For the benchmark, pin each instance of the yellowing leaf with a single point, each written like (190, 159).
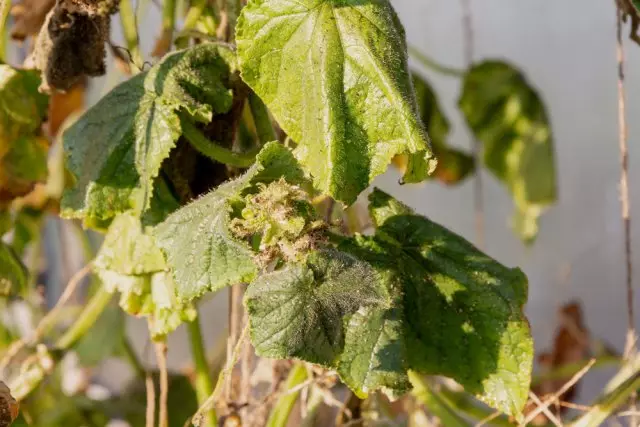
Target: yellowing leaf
(334, 73)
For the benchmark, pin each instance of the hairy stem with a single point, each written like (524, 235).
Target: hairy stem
(261, 118)
(280, 414)
(203, 381)
(214, 151)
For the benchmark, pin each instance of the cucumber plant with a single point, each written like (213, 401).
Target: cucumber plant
(208, 169)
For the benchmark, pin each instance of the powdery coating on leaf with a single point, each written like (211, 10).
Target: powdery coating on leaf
(298, 312)
(131, 263)
(200, 248)
(374, 355)
(334, 73)
(115, 150)
(508, 116)
(475, 331)
(13, 275)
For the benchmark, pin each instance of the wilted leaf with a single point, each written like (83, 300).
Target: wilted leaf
(453, 165)
(508, 117)
(23, 151)
(131, 263)
(571, 346)
(201, 250)
(8, 406)
(115, 150)
(334, 73)
(28, 17)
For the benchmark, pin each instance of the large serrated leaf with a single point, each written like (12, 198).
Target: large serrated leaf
(13, 275)
(475, 331)
(200, 248)
(334, 73)
(116, 148)
(130, 262)
(298, 312)
(508, 117)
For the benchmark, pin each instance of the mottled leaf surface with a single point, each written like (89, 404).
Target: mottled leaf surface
(130, 262)
(200, 248)
(462, 310)
(453, 165)
(334, 73)
(13, 275)
(116, 148)
(298, 312)
(507, 115)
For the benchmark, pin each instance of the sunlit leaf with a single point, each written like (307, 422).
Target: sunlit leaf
(200, 248)
(508, 117)
(475, 331)
(334, 73)
(131, 263)
(116, 148)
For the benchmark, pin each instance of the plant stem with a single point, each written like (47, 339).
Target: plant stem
(436, 404)
(610, 402)
(168, 20)
(92, 310)
(203, 381)
(196, 419)
(130, 31)
(5, 6)
(261, 119)
(161, 356)
(190, 21)
(214, 151)
(435, 66)
(571, 369)
(280, 413)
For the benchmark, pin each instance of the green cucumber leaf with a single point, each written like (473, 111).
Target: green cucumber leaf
(414, 296)
(334, 73)
(201, 250)
(298, 312)
(116, 148)
(475, 331)
(507, 115)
